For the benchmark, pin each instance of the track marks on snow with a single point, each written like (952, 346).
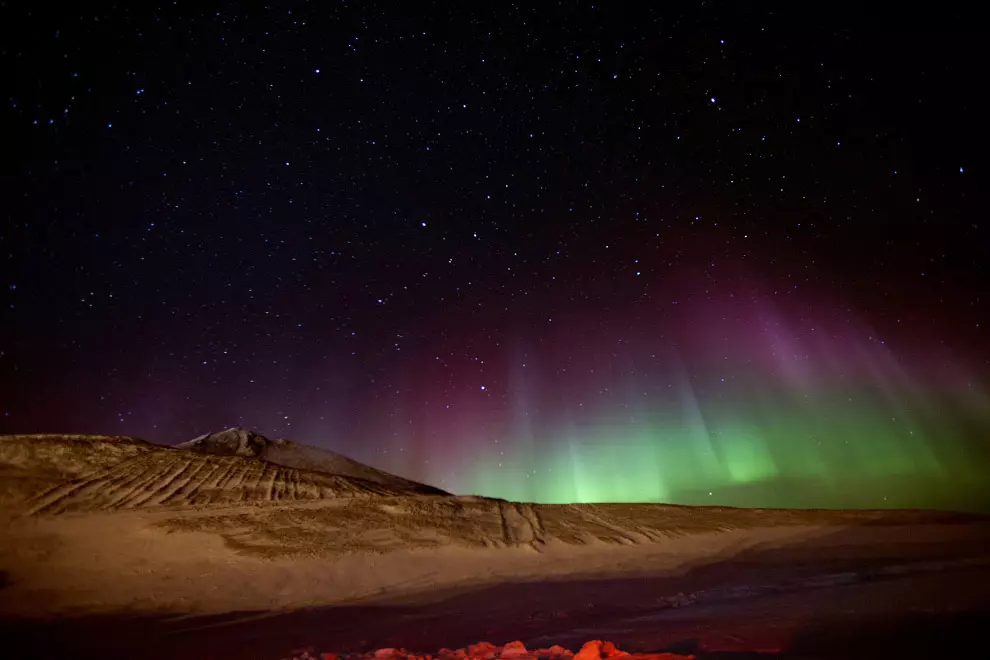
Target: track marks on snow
(520, 524)
(177, 478)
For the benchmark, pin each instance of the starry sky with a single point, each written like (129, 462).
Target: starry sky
(561, 253)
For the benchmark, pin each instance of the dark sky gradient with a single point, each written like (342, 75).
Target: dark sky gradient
(736, 258)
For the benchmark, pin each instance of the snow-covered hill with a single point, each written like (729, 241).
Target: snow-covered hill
(241, 442)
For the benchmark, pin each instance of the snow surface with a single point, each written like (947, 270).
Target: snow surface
(242, 442)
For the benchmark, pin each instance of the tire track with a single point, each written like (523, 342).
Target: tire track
(237, 483)
(250, 476)
(655, 536)
(528, 513)
(50, 499)
(161, 484)
(135, 475)
(506, 539)
(125, 474)
(538, 520)
(55, 496)
(590, 513)
(92, 489)
(228, 476)
(134, 492)
(223, 475)
(182, 484)
(270, 497)
(190, 495)
(237, 479)
(181, 478)
(261, 476)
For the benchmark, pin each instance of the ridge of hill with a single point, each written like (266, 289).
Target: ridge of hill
(241, 442)
(58, 473)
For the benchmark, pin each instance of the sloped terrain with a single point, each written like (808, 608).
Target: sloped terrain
(180, 478)
(52, 474)
(32, 464)
(355, 574)
(384, 524)
(215, 552)
(241, 442)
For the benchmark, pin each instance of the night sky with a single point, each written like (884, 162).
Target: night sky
(576, 253)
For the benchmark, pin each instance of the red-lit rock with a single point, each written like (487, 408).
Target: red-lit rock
(590, 651)
(514, 649)
(609, 650)
(480, 648)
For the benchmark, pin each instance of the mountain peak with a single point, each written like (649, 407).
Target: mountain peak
(235, 440)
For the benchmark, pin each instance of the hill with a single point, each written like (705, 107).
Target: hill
(241, 442)
(115, 547)
(51, 473)
(33, 463)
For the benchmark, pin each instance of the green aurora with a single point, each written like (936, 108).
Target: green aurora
(888, 443)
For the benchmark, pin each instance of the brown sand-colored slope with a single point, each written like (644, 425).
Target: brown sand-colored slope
(176, 478)
(384, 524)
(418, 548)
(241, 442)
(246, 548)
(32, 464)
(52, 474)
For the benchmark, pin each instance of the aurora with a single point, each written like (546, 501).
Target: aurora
(769, 407)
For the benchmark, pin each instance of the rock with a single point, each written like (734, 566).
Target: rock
(480, 647)
(590, 651)
(514, 649)
(610, 650)
(482, 650)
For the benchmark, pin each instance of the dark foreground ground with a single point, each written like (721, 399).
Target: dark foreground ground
(148, 540)
(761, 604)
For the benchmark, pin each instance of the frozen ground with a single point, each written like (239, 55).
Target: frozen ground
(361, 567)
